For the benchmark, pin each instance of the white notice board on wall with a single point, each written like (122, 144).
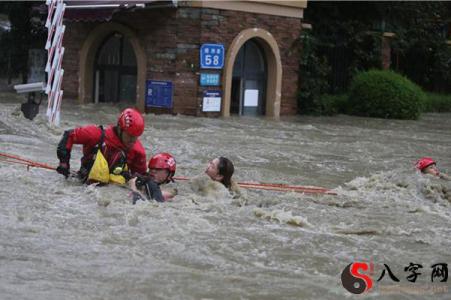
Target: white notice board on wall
(251, 98)
(211, 101)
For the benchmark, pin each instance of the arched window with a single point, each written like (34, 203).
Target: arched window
(115, 71)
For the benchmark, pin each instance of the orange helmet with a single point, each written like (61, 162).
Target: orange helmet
(131, 121)
(163, 161)
(424, 162)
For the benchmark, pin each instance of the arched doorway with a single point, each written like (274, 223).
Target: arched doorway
(248, 96)
(271, 91)
(89, 50)
(115, 70)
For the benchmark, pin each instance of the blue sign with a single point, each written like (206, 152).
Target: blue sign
(159, 93)
(212, 56)
(212, 94)
(207, 79)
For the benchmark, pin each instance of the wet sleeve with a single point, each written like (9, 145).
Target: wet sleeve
(137, 162)
(63, 150)
(153, 191)
(88, 136)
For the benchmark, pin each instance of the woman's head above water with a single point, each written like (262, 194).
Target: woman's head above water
(220, 169)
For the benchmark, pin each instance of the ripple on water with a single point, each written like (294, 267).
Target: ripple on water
(205, 244)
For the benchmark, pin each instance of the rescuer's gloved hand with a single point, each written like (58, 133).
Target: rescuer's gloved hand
(64, 169)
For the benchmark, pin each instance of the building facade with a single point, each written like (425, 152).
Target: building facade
(150, 54)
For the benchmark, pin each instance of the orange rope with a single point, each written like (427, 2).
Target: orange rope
(284, 186)
(24, 161)
(247, 185)
(297, 190)
(279, 187)
(20, 163)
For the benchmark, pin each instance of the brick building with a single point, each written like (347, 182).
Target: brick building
(116, 53)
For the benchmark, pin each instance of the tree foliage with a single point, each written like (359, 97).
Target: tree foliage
(27, 32)
(348, 37)
(420, 46)
(314, 70)
(344, 35)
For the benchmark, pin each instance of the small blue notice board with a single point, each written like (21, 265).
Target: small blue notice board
(209, 79)
(159, 93)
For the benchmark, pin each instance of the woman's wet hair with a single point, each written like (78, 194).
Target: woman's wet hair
(226, 169)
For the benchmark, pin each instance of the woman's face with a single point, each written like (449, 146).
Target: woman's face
(213, 171)
(432, 169)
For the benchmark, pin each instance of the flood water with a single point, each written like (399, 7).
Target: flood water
(63, 240)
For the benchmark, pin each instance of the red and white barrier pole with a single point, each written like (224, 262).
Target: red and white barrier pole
(55, 73)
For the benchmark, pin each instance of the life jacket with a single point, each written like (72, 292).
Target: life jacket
(95, 168)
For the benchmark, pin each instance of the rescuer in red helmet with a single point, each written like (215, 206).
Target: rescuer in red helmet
(162, 168)
(428, 166)
(111, 154)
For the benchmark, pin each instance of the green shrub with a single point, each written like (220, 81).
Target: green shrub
(437, 103)
(385, 94)
(333, 104)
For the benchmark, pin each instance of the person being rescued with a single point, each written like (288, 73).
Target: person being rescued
(110, 155)
(221, 170)
(162, 168)
(427, 165)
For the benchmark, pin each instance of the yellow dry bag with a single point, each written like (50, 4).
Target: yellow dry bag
(100, 172)
(116, 175)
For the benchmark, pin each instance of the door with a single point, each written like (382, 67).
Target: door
(249, 81)
(115, 71)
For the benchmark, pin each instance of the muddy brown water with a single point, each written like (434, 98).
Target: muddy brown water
(62, 240)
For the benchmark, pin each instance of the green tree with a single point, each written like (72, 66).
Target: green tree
(314, 70)
(421, 49)
(345, 37)
(351, 32)
(27, 31)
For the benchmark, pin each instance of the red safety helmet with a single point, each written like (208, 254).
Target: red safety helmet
(163, 161)
(131, 121)
(424, 162)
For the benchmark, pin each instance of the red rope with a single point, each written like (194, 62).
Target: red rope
(279, 187)
(247, 185)
(25, 161)
(297, 190)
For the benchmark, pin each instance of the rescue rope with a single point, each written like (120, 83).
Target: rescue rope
(278, 187)
(20, 160)
(15, 159)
